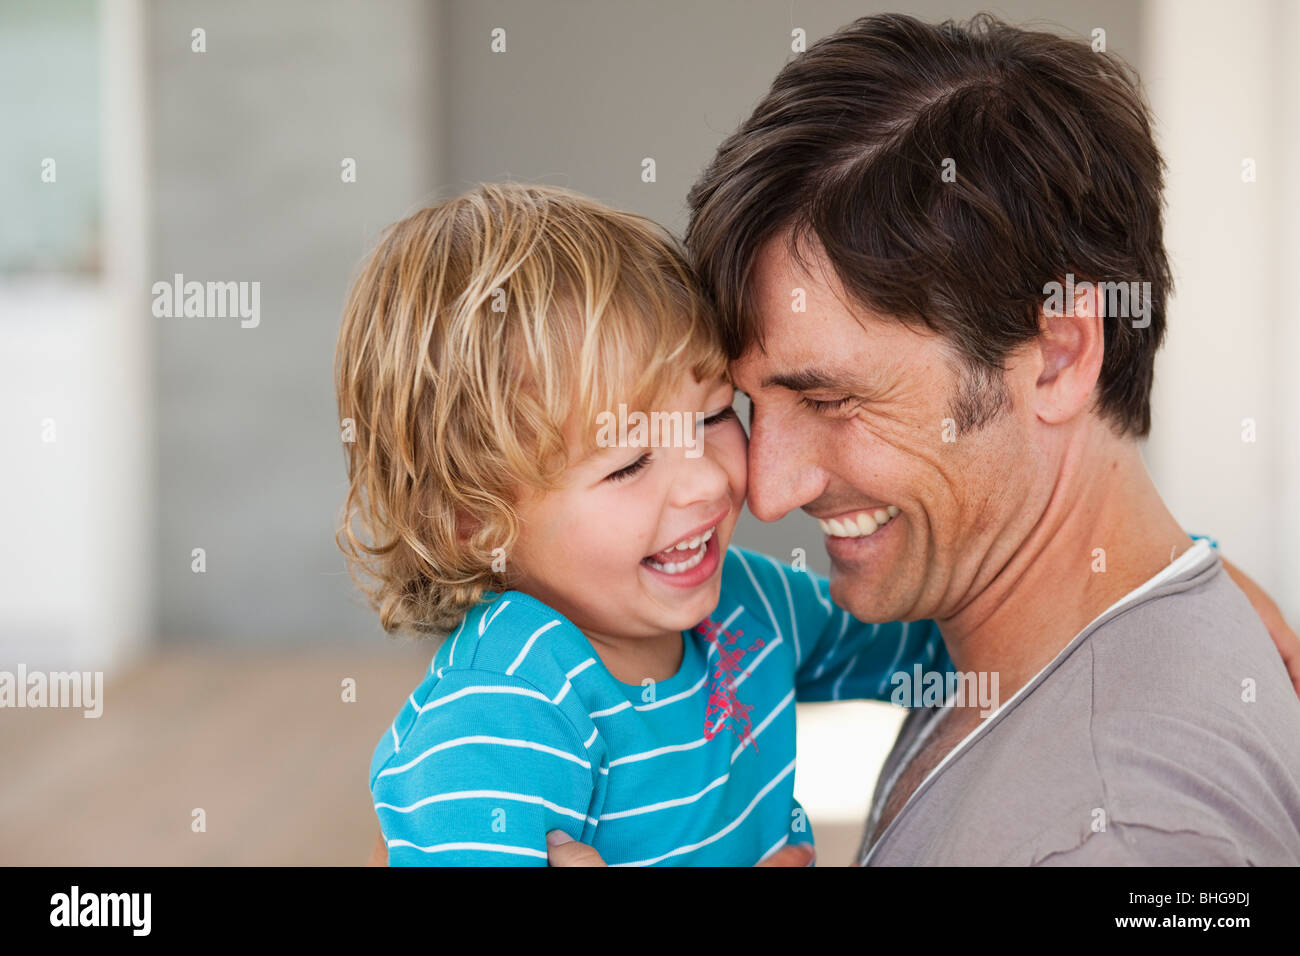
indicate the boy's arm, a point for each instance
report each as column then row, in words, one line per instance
column 487, row 768
column 838, row 657
column 854, row 660
column 1288, row 645
column 861, row 662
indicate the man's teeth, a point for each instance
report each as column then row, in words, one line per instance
column 859, row 524
column 698, row 544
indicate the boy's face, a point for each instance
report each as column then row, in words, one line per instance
column 596, row 548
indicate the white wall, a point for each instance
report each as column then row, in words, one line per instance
column 44, row 564
column 1224, row 87
column 76, row 386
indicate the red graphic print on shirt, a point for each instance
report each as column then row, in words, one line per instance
column 723, row 704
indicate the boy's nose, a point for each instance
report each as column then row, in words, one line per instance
column 700, row 478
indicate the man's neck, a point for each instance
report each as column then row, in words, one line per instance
column 1103, row 513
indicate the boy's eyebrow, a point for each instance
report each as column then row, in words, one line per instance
column 597, row 453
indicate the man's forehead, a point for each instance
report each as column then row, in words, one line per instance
column 795, row 297
column 805, row 368
column 787, row 259
column 819, row 353
column 804, row 350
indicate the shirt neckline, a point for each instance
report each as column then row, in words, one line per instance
column 1187, row 561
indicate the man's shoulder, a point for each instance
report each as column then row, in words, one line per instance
column 1197, row 624
column 1195, row 725
column 1184, row 726
column 1168, row 727
column 1192, row 668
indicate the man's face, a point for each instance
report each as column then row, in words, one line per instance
column 850, row 415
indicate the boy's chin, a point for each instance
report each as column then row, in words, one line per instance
column 689, row 611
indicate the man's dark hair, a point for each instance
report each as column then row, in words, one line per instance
column 1056, row 174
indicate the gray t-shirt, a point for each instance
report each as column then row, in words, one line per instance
column 1167, row 732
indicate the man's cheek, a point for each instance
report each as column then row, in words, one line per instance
column 736, row 460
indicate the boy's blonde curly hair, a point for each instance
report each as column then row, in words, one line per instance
column 480, row 333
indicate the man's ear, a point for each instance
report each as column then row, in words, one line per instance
column 1070, row 349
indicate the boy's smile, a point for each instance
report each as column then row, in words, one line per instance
column 691, row 560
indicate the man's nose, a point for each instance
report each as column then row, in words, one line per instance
column 783, row 469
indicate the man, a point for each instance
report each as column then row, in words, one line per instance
column 916, row 245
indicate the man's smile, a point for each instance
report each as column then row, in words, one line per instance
column 857, row 524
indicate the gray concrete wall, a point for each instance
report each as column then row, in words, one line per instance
column 248, row 138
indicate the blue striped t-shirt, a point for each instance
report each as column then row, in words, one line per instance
column 518, row 729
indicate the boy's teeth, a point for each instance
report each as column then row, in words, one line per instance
column 677, row 567
column 697, row 544
column 860, row 524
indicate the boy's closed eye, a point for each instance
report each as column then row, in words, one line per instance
column 622, row 474
column 627, row 472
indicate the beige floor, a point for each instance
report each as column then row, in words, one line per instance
column 278, row 763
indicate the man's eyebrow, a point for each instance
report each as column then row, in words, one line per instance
column 806, row 380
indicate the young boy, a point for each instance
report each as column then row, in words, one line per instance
column 610, row 668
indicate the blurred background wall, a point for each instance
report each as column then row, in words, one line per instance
column 212, row 140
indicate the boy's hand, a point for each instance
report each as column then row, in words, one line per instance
column 1288, row 645
column 379, row 855
column 800, row 854
column 565, row 851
